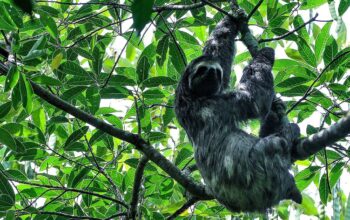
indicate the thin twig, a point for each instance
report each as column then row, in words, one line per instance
column 307, row 93
column 183, row 208
column 175, row 41
column 217, row 8
column 288, row 33
column 254, row 9
column 70, row 190
column 94, row 31
column 117, row 60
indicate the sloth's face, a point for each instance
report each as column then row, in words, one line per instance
column 206, row 78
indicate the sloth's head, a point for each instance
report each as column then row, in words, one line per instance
column 204, row 77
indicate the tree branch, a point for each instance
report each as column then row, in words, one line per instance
column 314, row 143
column 137, row 185
column 183, row 208
column 288, row 33
column 140, row 144
column 308, row 91
column 182, row 7
column 254, row 9
column 70, row 190
column 310, row 145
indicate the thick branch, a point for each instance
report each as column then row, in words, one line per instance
column 137, row 185
column 311, row 145
column 182, row 7
column 137, row 141
column 140, row 144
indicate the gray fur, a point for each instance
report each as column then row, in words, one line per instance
column 244, row 172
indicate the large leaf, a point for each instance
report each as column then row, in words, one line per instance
column 12, row 78
column 141, row 13
column 7, row 139
column 50, row 25
column 306, row 52
column 157, row 81
column 7, row 195
column 76, row 135
column 321, row 41
column 324, row 189
column 26, row 92
column 343, row 6
column 73, row 68
column 309, row 4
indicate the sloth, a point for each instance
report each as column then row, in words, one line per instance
column 243, row 172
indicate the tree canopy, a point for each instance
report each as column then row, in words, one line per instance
column 87, row 127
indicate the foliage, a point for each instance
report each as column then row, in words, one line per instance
column 54, row 165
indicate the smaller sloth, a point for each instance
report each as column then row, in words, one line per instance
column 243, row 172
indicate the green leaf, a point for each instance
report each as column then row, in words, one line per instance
column 308, row 206
column 39, row 119
column 153, row 94
column 6, row 22
column 302, row 32
column 177, row 57
column 7, row 139
column 50, row 25
column 6, row 202
column 292, row 82
column 76, row 135
column 26, row 92
column 73, row 68
column 159, row 80
column 114, row 93
column 155, row 137
column 16, row 174
column 5, row 109
column 321, row 41
column 46, row 80
column 11, row 78
column 343, row 6
column 141, row 13
column 78, row 177
column 323, row 189
column 306, row 52
column 162, row 50
column 309, row 4
column 7, row 195
column 56, row 61
column 335, row 174
column 143, row 67
column 330, row 51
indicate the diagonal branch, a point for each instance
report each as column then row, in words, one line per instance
column 183, row 208
column 254, row 9
column 137, row 185
column 140, row 144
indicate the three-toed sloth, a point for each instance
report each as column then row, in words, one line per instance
column 243, row 172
